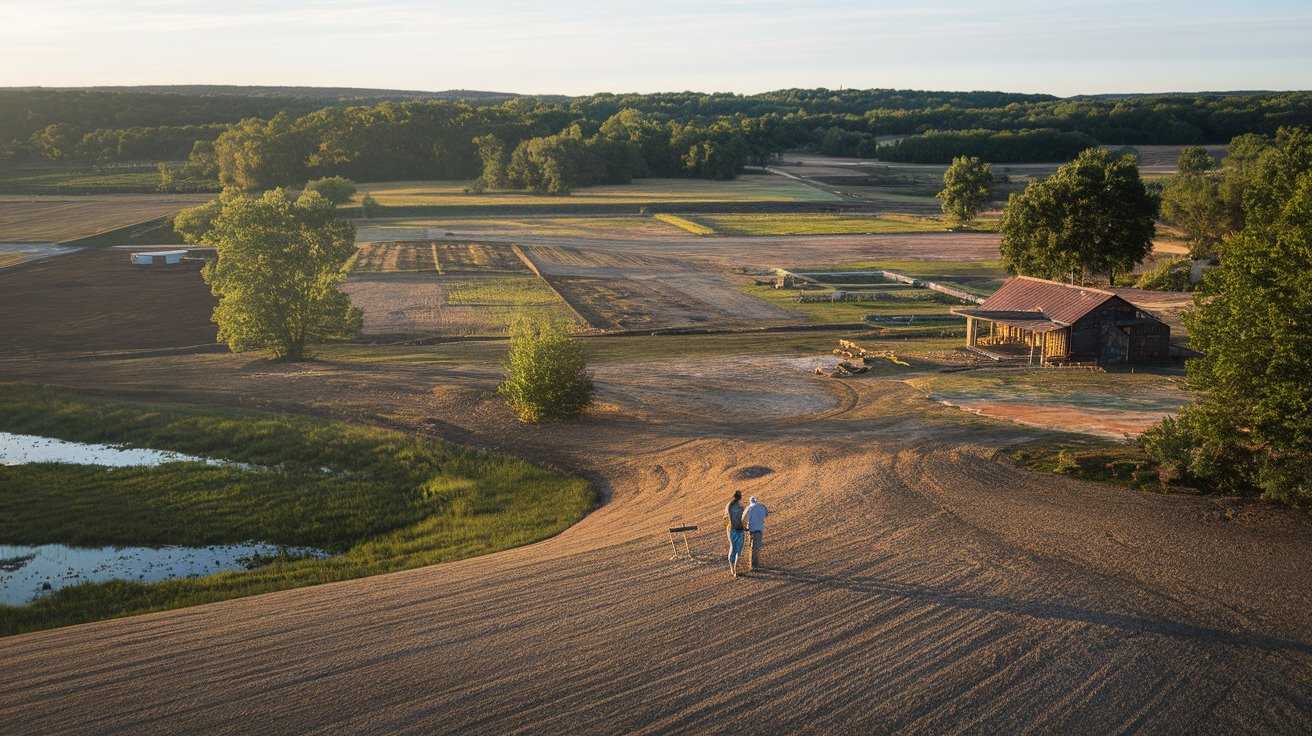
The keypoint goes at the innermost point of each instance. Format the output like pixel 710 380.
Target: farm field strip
pixel 818 223
pixel 746 188
pixel 52 219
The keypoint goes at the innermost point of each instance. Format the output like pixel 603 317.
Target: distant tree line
pixel 997 146
pixel 427 138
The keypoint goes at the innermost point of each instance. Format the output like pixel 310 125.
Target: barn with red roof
pixel 1051 323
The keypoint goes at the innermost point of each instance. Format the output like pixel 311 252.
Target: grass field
pixel 746 188
pixel 901 302
pixel 55 219
pixel 506 291
pixel 978 277
pixel 391 501
pixel 619 227
pixel 79 179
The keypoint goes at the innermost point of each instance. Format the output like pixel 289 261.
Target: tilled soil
pixel 912 583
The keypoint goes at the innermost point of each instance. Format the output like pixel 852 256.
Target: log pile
pixel 852 351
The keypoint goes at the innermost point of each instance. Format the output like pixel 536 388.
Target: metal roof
pixel 1061 303
pixel 1026 320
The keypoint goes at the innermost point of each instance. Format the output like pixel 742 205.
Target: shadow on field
pixel 1037 609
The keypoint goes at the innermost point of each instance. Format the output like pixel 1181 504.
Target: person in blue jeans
pixel 734 512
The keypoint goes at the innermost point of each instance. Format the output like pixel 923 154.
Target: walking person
pixel 734 512
pixel 754 520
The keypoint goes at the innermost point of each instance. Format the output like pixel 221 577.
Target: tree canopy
pixel 280 263
pixel 966 187
pixel 1251 425
pixel 1093 216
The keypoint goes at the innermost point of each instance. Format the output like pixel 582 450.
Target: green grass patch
pixel 86 179
pixel 684 224
pixel 391 501
pixel 1124 465
pixel 511 291
pixel 899 302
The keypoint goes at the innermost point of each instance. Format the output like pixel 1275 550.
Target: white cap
pixel 753 499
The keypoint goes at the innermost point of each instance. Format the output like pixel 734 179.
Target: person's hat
pixel 753 499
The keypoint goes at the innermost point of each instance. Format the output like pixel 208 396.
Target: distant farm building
pixel 158 257
pixel 1051 323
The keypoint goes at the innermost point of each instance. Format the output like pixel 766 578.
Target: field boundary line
pixel 523 255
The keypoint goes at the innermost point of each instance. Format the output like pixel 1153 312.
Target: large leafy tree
pixel 279 268
pixel 1193 203
pixel 1251 425
pixel 1194 160
pixel 1093 216
pixel 966 187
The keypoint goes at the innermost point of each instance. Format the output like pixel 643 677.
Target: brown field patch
pixel 393 257
pixel 457 257
pixel 95 300
pixel 55 219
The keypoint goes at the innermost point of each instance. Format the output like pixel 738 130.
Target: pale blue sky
pixel 632 45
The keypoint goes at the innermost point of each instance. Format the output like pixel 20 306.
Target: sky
pixel 571 47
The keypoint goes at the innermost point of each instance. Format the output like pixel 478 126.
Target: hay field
pixel 746 188
pixel 53 219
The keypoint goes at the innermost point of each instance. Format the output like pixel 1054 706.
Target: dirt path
pixel 914 585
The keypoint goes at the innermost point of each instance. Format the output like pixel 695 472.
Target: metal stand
pixel 675 533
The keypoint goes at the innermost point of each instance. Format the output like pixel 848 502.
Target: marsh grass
pixel 388 501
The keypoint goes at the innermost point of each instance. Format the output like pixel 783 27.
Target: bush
pixel 370 207
pixel 546 373
pixel 1166 276
pixel 335 189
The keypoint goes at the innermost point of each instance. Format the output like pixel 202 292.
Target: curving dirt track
pixel 914 584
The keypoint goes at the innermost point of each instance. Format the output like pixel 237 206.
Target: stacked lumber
pixel 852 351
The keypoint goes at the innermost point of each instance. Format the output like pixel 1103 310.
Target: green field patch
pixel 892 302
pixel 382 500
pixel 511 291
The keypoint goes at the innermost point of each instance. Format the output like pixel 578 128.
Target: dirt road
pixel 914 585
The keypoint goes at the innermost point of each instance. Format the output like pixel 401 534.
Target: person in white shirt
pixel 754 520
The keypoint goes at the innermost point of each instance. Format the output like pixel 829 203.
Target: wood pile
pixel 852 351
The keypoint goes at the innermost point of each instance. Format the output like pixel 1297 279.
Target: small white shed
pixel 158 257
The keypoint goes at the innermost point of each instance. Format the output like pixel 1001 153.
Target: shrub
pixel 1166 276
pixel 369 207
pixel 546 373
pixel 335 189
pixel 1065 463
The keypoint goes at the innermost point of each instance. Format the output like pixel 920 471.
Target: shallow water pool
pixel 28 572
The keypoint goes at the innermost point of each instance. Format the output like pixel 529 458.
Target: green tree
pixel 966 187
pixel 335 189
pixel 492 152
pixel 1193 203
pixel 1251 424
pixel 279 268
pixel 1093 216
pixel 1194 160
pixel 546 372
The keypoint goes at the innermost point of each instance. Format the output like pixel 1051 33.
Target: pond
pixel 28 572
pixel 17 449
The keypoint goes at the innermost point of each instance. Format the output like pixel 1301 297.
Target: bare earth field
pixel 913 584
pixel 95 300
pixel 49 219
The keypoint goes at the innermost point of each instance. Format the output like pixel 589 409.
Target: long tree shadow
pixel 1038 609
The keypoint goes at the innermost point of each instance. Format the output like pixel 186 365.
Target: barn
pixel 1051 323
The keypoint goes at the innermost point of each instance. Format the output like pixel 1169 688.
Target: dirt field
pixel 615 290
pixel 394 257
pixel 95 300
pixel 913 585
pixel 59 218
